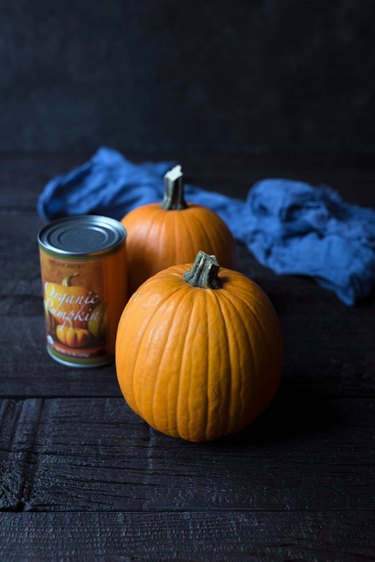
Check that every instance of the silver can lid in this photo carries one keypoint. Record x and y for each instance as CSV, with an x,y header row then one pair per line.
x,y
82,236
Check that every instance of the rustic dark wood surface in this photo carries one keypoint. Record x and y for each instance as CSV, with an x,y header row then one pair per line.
x,y
82,478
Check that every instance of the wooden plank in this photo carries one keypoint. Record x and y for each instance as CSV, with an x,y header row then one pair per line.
x,y
328,348
312,366
18,234
20,286
323,365
208,537
95,454
23,176
28,370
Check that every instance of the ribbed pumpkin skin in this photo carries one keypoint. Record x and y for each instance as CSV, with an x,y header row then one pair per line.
x,y
157,239
198,363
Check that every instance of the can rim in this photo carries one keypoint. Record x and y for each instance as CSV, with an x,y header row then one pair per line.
x,y
99,219
79,363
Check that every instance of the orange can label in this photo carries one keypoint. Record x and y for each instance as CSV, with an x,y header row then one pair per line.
x,y
83,302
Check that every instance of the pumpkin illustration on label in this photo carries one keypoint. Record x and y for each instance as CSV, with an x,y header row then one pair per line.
x,y
75,315
69,303
73,337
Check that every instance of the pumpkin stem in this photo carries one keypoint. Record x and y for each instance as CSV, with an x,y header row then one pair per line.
x,y
67,281
173,190
204,273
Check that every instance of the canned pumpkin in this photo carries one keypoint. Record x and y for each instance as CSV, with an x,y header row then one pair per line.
x,y
84,279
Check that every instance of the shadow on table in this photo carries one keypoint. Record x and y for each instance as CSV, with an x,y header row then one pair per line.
x,y
292,415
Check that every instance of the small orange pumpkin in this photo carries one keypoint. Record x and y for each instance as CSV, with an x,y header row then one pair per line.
x,y
73,337
198,351
170,233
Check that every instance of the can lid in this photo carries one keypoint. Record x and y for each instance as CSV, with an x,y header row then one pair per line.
x,y
82,236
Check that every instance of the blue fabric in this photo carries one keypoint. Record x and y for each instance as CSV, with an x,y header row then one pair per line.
x,y
289,226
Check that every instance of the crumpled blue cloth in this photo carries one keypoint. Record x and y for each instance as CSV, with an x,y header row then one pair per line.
x,y
289,226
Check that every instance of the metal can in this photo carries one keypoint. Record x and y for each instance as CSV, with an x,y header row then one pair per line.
x,y
84,278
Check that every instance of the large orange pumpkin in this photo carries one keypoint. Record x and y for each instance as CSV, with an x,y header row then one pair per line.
x,y
170,233
198,351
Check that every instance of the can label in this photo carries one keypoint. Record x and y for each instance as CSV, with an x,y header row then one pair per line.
x,y
76,311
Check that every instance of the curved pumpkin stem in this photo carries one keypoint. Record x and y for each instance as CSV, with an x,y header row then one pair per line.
x,y
174,190
204,273
67,281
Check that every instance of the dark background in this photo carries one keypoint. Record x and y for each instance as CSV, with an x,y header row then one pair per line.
x,y
161,75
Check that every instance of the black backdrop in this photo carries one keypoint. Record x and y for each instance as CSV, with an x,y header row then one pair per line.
x,y
156,75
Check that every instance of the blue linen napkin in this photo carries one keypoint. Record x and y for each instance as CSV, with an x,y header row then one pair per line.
x,y
289,226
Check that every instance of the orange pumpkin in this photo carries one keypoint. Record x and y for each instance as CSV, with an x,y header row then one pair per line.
x,y
69,303
198,351
170,233
73,337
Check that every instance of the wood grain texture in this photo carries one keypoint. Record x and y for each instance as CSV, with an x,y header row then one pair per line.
x,y
28,370
327,345
95,454
322,366
82,478
187,537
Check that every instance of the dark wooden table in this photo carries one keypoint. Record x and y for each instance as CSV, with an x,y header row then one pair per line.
x,y
82,478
